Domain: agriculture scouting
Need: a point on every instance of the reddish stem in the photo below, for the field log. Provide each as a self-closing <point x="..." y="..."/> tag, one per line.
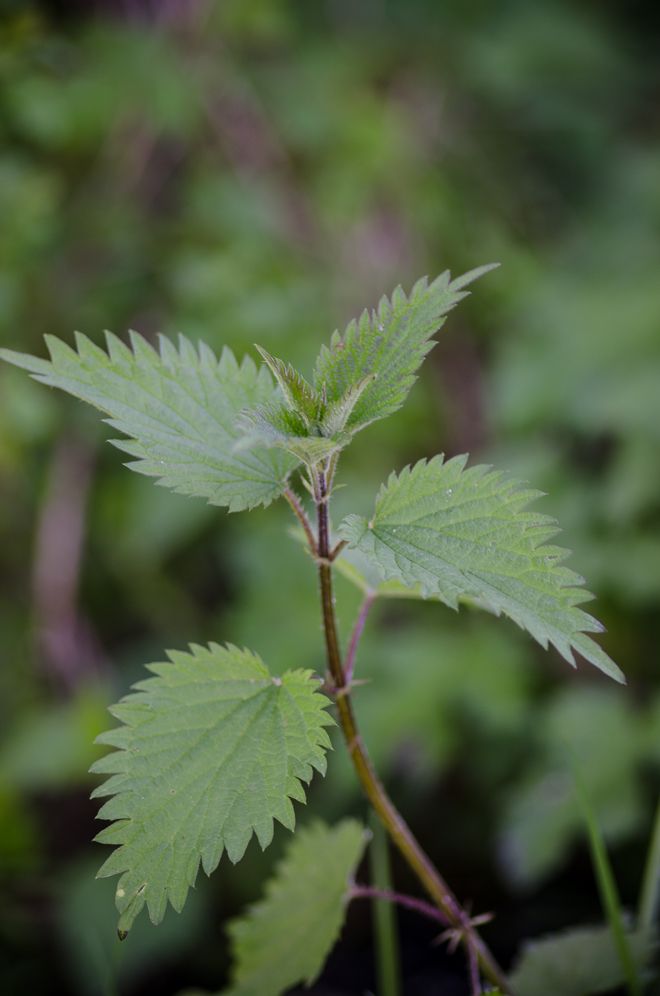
<point x="300" y="514"/>
<point x="358" y="629"/>
<point x="409" y="902"/>
<point x="396" y="826"/>
<point x="336" y="550"/>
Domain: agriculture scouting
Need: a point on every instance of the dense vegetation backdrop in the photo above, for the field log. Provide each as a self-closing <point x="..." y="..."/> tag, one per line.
<point x="260" y="170"/>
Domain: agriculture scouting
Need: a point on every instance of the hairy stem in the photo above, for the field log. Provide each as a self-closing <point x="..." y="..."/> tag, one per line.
<point x="336" y="550"/>
<point x="351" y="653"/>
<point x="408" y="902"/>
<point x="392" y="820"/>
<point x="301" y="516"/>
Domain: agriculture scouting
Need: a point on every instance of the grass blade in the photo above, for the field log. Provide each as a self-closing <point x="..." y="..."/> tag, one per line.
<point x="609" y="893"/>
<point x="650" y="894"/>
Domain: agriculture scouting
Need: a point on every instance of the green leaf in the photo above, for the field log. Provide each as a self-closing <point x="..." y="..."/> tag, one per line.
<point x="285" y="938"/>
<point x="179" y="409"/>
<point x="578" y="962"/>
<point x="366" y="577"/>
<point x="338" y="413"/>
<point x="298" y="394"/>
<point x="85" y="923"/>
<point x="364" y="574"/>
<point x="278" y="426"/>
<point x="212" y="749"/>
<point x="388" y="345"/>
<point x="460" y="532"/>
<point x="305" y="426"/>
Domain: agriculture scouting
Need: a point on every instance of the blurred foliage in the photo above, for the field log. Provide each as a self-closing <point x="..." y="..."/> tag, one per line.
<point x="261" y="170"/>
<point x="614" y="741"/>
<point x="86" y="920"/>
<point x="581" y="961"/>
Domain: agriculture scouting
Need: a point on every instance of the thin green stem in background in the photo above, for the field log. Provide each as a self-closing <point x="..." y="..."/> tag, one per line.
<point x="650" y="894"/>
<point x="384" y="915"/>
<point x="607" y="886"/>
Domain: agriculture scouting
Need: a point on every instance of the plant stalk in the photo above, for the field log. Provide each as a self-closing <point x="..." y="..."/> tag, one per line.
<point x="650" y="898"/>
<point x="301" y="516"/>
<point x="398" y="899"/>
<point x="388" y="814"/>
<point x="383" y="913"/>
<point x="607" y="887"/>
<point x="351" y="653"/>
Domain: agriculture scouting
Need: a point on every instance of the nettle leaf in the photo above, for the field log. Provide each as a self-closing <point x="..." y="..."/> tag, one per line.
<point x="458" y="532"/>
<point x="578" y="962"/>
<point x="366" y="576"/>
<point x="285" y="938"/>
<point x="338" y="413"/>
<point x="179" y="408"/>
<point x="278" y="426"/>
<point x="304" y="425"/>
<point x="212" y="750"/>
<point x="388" y="345"/>
<point x="300" y="396"/>
<point x="364" y="375"/>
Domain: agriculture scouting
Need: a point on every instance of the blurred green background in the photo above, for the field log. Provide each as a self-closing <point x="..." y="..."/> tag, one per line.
<point x="260" y="170"/>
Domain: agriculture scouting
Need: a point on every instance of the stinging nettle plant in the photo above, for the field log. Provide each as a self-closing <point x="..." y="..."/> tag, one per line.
<point x="213" y="749"/>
